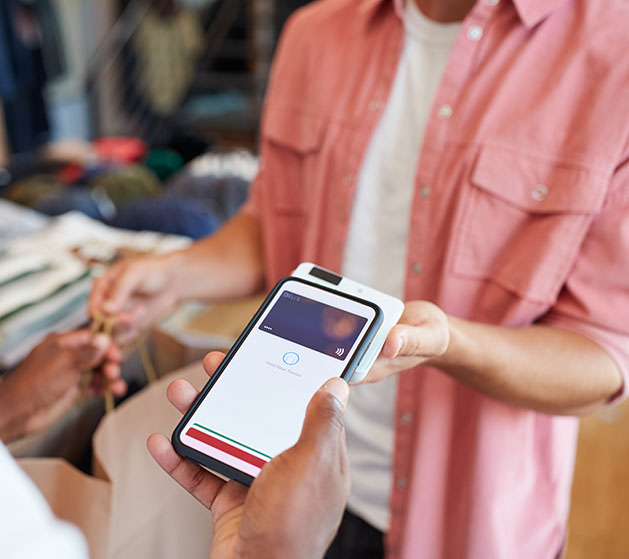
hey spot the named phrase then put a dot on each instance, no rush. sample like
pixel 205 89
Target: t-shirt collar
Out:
pixel 531 12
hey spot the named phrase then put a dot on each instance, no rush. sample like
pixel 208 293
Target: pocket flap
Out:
pixel 293 129
pixel 537 185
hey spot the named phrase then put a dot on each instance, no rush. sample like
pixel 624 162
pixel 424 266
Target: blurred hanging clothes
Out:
pixel 216 180
pixel 166 46
pixel 30 54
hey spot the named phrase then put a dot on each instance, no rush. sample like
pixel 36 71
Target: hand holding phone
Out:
pixel 253 407
pixel 310 480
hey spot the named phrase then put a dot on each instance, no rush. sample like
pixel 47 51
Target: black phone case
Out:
pixel 220 467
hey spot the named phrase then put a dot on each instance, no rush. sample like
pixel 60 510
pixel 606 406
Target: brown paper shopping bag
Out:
pixel 75 497
pixel 152 516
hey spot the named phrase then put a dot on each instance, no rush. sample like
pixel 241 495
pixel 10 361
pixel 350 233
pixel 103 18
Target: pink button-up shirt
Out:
pixel 520 216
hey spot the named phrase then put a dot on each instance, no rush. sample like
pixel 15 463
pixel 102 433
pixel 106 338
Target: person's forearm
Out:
pixel 225 265
pixel 14 411
pixel 543 368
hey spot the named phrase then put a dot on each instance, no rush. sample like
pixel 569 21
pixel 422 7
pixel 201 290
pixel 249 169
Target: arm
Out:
pixel 572 361
pixel 224 265
pixel 543 368
pixel 547 369
pixel 232 258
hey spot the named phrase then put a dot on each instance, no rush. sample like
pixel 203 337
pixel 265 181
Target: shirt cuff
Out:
pixel 614 343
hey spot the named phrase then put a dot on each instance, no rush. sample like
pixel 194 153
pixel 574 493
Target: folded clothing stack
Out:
pixel 45 277
pixel 17 221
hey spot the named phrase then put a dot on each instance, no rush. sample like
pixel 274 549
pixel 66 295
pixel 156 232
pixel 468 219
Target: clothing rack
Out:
pixel 110 64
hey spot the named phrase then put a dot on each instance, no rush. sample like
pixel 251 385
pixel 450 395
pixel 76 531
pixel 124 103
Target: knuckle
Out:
pixel 416 345
pixel 329 412
pixel 196 480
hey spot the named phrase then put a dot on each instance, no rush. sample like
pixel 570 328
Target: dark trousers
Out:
pixel 356 540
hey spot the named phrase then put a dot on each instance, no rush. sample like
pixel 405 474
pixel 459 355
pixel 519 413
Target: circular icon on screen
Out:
pixel 290 358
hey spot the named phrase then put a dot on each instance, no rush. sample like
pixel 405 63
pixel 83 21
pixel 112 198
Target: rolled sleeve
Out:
pixel 594 300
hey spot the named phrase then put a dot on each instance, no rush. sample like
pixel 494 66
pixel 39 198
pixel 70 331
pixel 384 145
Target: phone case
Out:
pixel 392 308
pixel 348 372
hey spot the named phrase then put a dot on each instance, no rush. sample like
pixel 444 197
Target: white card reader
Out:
pixel 391 307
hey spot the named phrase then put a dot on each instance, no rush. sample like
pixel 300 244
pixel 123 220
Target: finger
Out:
pixel 126 280
pixel 212 360
pixel 111 371
pixel 75 339
pixel 118 387
pixel 418 341
pixel 132 316
pixel 324 417
pixel 200 483
pixel 93 354
pixel 385 367
pixel 97 293
pixel 406 340
pixel 99 286
pixel 392 344
pixel 114 355
pixel 125 334
pixel 87 350
pixel 181 394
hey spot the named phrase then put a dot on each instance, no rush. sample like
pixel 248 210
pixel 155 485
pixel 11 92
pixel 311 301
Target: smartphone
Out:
pixel 253 406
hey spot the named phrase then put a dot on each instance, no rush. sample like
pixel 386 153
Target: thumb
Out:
pixel 415 341
pixel 324 417
pixel 122 286
pixel 403 340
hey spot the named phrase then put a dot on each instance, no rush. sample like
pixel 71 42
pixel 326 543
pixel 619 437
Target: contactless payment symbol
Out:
pixel 290 358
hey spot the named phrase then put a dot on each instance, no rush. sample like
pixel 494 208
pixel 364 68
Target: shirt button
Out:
pixel 417 268
pixel 348 179
pixel 401 482
pixel 539 193
pixel 407 418
pixel 424 191
pixel 475 33
pixel 375 105
pixel 444 112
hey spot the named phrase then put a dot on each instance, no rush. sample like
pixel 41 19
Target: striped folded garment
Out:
pixel 38 294
pixel 45 277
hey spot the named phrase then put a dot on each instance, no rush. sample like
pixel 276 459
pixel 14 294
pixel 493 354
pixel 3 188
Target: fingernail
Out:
pixel 338 388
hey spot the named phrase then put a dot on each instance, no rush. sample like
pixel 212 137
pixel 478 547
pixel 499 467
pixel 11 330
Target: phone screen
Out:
pixel 255 409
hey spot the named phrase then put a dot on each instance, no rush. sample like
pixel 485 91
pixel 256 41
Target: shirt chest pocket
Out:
pixel 523 220
pixel 291 143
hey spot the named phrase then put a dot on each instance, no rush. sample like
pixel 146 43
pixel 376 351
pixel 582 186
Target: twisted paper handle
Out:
pixel 106 325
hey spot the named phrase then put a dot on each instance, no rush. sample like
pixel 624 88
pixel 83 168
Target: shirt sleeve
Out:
pixel 594 301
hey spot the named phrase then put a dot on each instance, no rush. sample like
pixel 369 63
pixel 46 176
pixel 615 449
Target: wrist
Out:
pixel 176 268
pixel 449 357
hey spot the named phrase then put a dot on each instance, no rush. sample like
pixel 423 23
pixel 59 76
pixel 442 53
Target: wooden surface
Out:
pixel 599 518
pixel 181 341
pixel 226 319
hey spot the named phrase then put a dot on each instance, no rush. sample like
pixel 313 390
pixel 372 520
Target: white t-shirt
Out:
pixel 375 252
pixel 28 529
